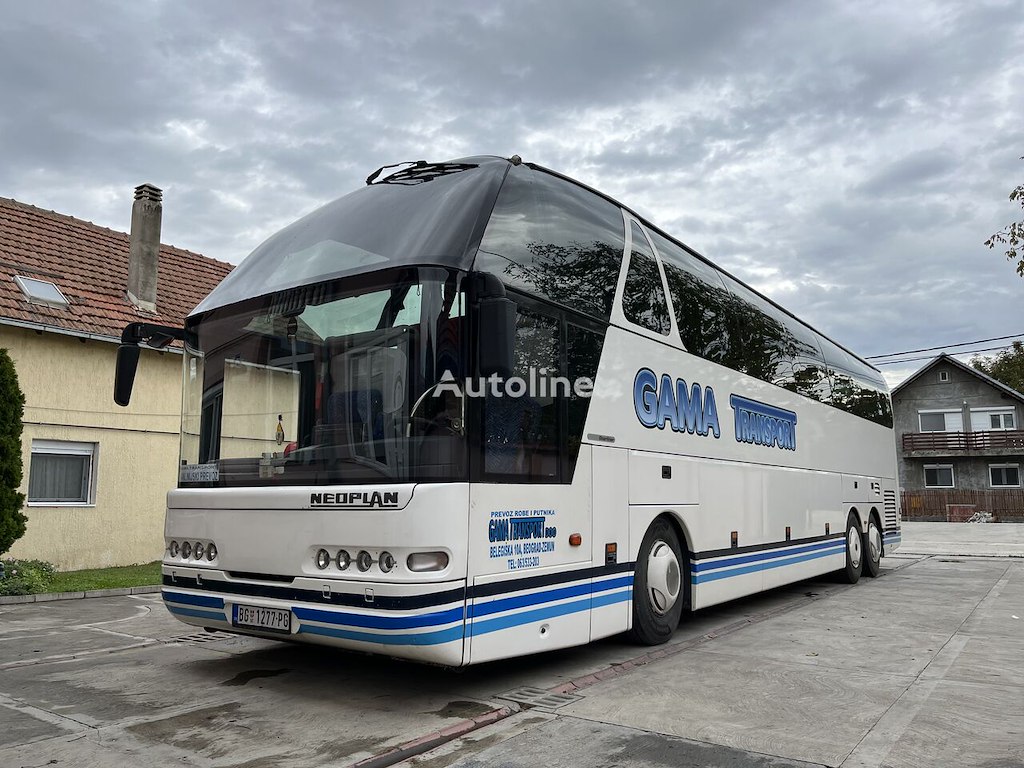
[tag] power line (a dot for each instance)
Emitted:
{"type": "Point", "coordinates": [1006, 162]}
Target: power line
{"type": "Point", "coordinates": [929, 357]}
{"type": "Point", "coordinates": [948, 346]}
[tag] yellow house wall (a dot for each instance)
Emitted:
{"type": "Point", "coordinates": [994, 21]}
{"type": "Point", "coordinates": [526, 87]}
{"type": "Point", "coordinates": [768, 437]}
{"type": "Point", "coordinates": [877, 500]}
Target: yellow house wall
{"type": "Point", "coordinates": [68, 385]}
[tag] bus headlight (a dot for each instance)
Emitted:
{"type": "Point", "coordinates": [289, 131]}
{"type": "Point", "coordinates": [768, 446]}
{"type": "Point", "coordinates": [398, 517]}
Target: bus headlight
{"type": "Point", "coordinates": [186, 549]}
{"type": "Point", "coordinates": [344, 559]}
{"type": "Point", "coordinates": [174, 549]}
{"type": "Point", "coordinates": [323, 558]}
{"type": "Point", "coordinates": [198, 550]}
{"type": "Point", "coordinates": [386, 561]}
{"type": "Point", "coordinates": [419, 562]}
{"type": "Point", "coordinates": [211, 552]}
{"type": "Point", "coordinates": [364, 561]}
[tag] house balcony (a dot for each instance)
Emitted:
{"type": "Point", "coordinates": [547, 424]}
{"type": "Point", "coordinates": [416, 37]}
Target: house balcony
{"type": "Point", "coordinates": [1003, 442]}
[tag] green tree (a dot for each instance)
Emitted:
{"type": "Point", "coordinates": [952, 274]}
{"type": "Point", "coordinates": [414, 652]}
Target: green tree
{"type": "Point", "coordinates": [1012, 235]}
{"type": "Point", "coordinates": [1006, 367]}
{"type": "Point", "coordinates": [12, 406]}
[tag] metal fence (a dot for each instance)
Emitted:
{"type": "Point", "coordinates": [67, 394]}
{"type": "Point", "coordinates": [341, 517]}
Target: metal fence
{"type": "Point", "coordinates": [1006, 506]}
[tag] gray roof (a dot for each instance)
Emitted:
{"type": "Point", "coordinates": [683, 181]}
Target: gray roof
{"type": "Point", "coordinates": [962, 366]}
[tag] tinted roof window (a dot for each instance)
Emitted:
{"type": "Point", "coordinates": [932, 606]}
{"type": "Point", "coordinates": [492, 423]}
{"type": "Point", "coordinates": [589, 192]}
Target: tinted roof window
{"type": "Point", "coordinates": [430, 215]}
{"type": "Point", "coordinates": [552, 238]}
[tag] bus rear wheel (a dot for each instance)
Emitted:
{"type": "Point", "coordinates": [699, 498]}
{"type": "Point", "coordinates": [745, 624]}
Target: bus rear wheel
{"type": "Point", "coordinates": [657, 585]}
{"type": "Point", "coordinates": [854, 551]}
{"type": "Point", "coordinates": [872, 549]}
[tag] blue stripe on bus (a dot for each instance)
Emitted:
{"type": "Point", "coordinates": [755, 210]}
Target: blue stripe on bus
{"type": "Point", "coordinates": [477, 627]}
{"type": "Point", "coordinates": [835, 549]}
{"type": "Point", "coordinates": [521, 601]}
{"type": "Point", "coordinates": [456, 614]}
{"type": "Point", "coordinates": [540, 614]}
{"type": "Point", "coordinates": [196, 614]}
{"type": "Point", "coordinates": [419, 638]}
{"type": "Point", "coordinates": [241, 590]}
{"type": "Point", "coordinates": [766, 555]}
{"type": "Point", "coordinates": [380, 622]}
{"type": "Point", "coordinates": [456, 633]}
{"type": "Point", "coordinates": [201, 600]}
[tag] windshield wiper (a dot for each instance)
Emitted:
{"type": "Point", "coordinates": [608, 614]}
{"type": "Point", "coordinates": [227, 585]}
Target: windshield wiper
{"type": "Point", "coordinates": [418, 172]}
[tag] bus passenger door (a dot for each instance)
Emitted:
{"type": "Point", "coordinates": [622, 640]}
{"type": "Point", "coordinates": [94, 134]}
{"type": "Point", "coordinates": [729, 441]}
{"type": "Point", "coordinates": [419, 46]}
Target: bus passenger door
{"type": "Point", "coordinates": [612, 583]}
{"type": "Point", "coordinates": [529, 581]}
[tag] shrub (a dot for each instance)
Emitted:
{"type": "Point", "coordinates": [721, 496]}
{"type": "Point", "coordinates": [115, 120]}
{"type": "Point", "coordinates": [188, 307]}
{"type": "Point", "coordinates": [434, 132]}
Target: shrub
{"type": "Point", "coordinates": [26, 577]}
{"type": "Point", "coordinates": [12, 407]}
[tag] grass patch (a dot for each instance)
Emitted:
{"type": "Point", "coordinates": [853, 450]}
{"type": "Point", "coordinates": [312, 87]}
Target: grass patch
{"type": "Point", "coordinates": [106, 578]}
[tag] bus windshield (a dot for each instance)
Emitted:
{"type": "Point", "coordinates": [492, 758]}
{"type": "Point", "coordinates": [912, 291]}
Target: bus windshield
{"type": "Point", "coordinates": [334, 382]}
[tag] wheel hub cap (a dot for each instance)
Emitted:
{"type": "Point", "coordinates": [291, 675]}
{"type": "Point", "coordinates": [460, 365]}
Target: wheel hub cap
{"type": "Point", "coordinates": [874, 544]}
{"type": "Point", "coordinates": [853, 547]}
{"type": "Point", "coordinates": [663, 578]}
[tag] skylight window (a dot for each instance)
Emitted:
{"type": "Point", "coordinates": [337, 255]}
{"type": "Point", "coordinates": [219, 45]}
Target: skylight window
{"type": "Point", "coordinates": [41, 291]}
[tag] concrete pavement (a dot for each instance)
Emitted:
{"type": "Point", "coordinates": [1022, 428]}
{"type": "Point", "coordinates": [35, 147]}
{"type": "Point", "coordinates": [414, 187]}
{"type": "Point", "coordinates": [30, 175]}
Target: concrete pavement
{"type": "Point", "coordinates": [918, 667]}
{"type": "Point", "coordinates": [973, 539]}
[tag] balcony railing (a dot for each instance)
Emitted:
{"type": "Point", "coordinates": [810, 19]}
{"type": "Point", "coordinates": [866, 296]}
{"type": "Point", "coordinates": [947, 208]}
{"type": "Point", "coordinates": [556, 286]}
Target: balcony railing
{"type": "Point", "coordinates": [994, 440]}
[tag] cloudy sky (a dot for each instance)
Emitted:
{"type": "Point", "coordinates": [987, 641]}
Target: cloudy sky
{"type": "Point", "coordinates": [848, 159]}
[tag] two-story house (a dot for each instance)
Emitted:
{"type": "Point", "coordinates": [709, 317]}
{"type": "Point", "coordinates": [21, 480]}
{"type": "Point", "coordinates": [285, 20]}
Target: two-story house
{"type": "Point", "coordinates": [960, 440]}
{"type": "Point", "coordinates": [95, 474]}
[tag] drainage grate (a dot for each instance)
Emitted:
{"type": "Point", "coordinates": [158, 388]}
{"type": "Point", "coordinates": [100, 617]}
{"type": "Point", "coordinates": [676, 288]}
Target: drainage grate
{"type": "Point", "coordinates": [538, 697]}
{"type": "Point", "coordinates": [204, 637]}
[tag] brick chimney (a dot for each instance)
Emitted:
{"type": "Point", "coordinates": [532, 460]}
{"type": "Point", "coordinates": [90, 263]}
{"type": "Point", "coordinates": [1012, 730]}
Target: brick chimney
{"type": "Point", "coordinates": [144, 247]}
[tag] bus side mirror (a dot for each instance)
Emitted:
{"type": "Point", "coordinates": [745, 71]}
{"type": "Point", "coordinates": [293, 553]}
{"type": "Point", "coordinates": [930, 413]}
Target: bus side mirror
{"type": "Point", "coordinates": [157, 337]}
{"type": "Point", "coordinates": [124, 374]}
{"type": "Point", "coordinates": [496, 325]}
{"type": "Point", "coordinates": [497, 336]}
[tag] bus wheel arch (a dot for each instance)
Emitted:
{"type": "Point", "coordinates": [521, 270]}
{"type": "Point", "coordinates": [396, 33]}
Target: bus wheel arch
{"type": "Point", "coordinates": [660, 579]}
{"type": "Point", "coordinates": [873, 545]}
{"type": "Point", "coordinates": [854, 541]}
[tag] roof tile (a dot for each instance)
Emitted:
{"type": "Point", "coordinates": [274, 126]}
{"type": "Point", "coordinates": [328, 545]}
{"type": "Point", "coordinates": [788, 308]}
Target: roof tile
{"type": "Point", "coordinates": [89, 264]}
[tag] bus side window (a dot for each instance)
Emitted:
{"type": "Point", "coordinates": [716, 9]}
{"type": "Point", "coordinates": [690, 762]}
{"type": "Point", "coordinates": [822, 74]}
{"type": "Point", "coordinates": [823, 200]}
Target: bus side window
{"type": "Point", "coordinates": [699, 300]}
{"type": "Point", "coordinates": [521, 428]}
{"type": "Point", "coordinates": [776, 347]}
{"type": "Point", "coordinates": [643, 298]}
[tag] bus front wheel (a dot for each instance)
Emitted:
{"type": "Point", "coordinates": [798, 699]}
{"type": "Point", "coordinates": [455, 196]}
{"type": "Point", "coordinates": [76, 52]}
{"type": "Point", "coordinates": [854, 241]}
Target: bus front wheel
{"type": "Point", "coordinates": [854, 551]}
{"type": "Point", "coordinates": [657, 585]}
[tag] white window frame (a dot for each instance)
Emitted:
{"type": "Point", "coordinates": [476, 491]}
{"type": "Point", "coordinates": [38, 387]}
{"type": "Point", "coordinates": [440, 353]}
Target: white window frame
{"type": "Point", "coordinates": [68, 448]}
{"type": "Point", "coordinates": [988, 413]}
{"type": "Point", "coordinates": [1002, 421]}
{"type": "Point", "coordinates": [952, 475]}
{"type": "Point", "coordinates": [1003, 466]}
{"type": "Point", "coordinates": [943, 377]}
{"type": "Point", "coordinates": [932, 411]}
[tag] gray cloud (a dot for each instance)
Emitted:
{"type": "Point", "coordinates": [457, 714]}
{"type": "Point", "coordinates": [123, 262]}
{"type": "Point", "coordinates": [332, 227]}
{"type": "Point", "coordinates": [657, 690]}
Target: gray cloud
{"type": "Point", "coordinates": [848, 160]}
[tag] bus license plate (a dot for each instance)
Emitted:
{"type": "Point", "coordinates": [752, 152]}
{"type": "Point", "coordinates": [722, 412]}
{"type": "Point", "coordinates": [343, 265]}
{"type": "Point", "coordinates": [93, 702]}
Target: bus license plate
{"type": "Point", "coordinates": [271, 619]}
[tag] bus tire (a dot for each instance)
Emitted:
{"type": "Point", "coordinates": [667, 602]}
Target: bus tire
{"type": "Point", "coordinates": [854, 551]}
{"type": "Point", "coordinates": [872, 549]}
{"type": "Point", "coordinates": [657, 585]}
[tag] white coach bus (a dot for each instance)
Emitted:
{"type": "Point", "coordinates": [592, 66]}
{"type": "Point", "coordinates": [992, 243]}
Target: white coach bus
{"type": "Point", "coordinates": [477, 409]}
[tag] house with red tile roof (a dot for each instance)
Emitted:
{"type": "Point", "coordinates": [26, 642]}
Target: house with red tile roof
{"type": "Point", "coordinates": [95, 474]}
